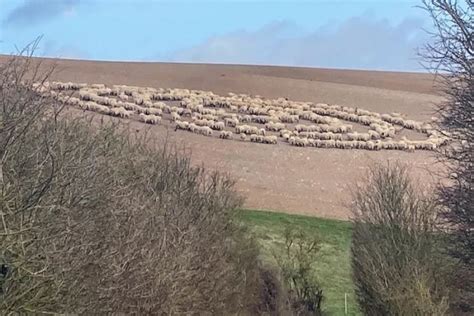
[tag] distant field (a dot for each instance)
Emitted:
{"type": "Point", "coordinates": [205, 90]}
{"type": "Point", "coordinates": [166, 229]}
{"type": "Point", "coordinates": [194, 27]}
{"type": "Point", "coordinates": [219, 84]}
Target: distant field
{"type": "Point", "coordinates": [333, 265]}
{"type": "Point", "coordinates": [306, 181]}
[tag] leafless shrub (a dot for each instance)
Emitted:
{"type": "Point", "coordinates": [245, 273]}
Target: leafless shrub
{"type": "Point", "coordinates": [96, 221]}
{"type": "Point", "coordinates": [397, 268]}
{"type": "Point", "coordinates": [305, 295]}
{"type": "Point", "coordinates": [451, 57]}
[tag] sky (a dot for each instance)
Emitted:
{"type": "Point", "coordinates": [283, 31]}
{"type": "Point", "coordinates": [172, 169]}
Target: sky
{"type": "Point", "coordinates": [353, 34]}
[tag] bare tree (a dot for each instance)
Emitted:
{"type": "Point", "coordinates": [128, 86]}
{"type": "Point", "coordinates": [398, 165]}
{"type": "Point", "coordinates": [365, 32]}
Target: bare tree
{"type": "Point", "coordinates": [451, 57]}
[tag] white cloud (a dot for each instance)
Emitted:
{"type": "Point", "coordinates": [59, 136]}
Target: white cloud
{"type": "Point", "coordinates": [361, 42]}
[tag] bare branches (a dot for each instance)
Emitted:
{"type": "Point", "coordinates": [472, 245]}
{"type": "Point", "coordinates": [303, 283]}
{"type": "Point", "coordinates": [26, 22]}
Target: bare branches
{"type": "Point", "coordinates": [396, 264]}
{"type": "Point", "coordinates": [453, 50]}
{"type": "Point", "coordinates": [95, 221]}
{"type": "Point", "coordinates": [453, 46]}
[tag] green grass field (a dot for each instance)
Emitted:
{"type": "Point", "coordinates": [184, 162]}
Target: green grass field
{"type": "Point", "coordinates": [332, 266]}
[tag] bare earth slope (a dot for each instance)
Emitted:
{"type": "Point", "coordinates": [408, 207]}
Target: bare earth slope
{"type": "Point", "coordinates": [310, 181]}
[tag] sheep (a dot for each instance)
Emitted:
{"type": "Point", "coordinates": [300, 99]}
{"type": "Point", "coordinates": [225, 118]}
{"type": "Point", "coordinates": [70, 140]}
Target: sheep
{"type": "Point", "coordinates": [358, 136]}
{"type": "Point", "coordinates": [345, 144]}
{"type": "Point", "coordinates": [149, 119]}
{"type": "Point", "coordinates": [388, 144]}
{"type": "Point", "coordinates": [243, 109]}
{"type": "Point", "coordinates": [270, 139]}
{"type": "Point", "coordinates": [86, 95]}
{"type": "Point", "coordinates": [72, 101]}
{"type": "Point", "coordinates": [307, 128]}
{"type": "Point", "coordinates": [256, 110]}
{"type": "Point", "coordinates": [192, 127]}
{"type": "Point", "coordinates": [123, 97]}
{"type": "Point", "coordinates": [92, 106]}
{"type": "Point", "coordinates": [205, 111]}
{"type": "Point", "coordinates": [315, 118]}
{"type": "Point", "coordinates": [246, 119]}
{"type": "Point", "coordinates": [67, 85]}
{"type": "Point", "coordinates": [425, 145]}
{"type": "Point", "coordinates": [183, 125]}
{"type": "Point", "coordinates": [225, 135]}
{"type": "Point", "coordinates": [260, 119]}
{"type": "Point", "coordinates": [147, 103]}
{"type": "Point", "coordinates": [256, 138]}
{"type": "Point", "coordinates": [285, 118]}
{"type": "Point", "coordinates": [231, 122]}
{"type": "Point", "coordinates": [180, 111]}
{"type": "Point", "coordinates": [248, 129]}
{"type": "Point", "coordinates": [243, 136]}
{"type": "Point", "coordinates": [205, 130]}
{"type": "Point", "coordinates": [111, 102]}
{"type": "Point", "coordinates": [120, 112]}
{"type": "Point", "coordinates": [383, 130]}
{"type": "Point", "coordinates": [154, 111]}
{"type": "Point", "coordinates": [324, 136]}
{"type": "Point", "coordinates": [328, 131]}
{"type": "Point", "coordinates": [276, 127]}
{"type": "Point", "coordinates": [330, 143]}
{"type": "Point", "coordinates": [210, 117]}
{"type": "Point", "coordinates": [103, 91]}
{"type": "Point", "coordinates": [341, 128]}
{"type": "Point", "coordinates": [286, 136]}
{"type": "Point", "coordinates": [218, 126]}
{"type": "Point", "coordinates": [373, 134]}
{"type": "Point", "coordinates": [203, 122]}
{"type": "Point", "coordinates": [85, 105]}
{"type": "Point", "coordinates": [103, 109]}
{"type": "Point", "coordinates": [297, 141]}
{"type": "Point", "coordinates": [175, 116]}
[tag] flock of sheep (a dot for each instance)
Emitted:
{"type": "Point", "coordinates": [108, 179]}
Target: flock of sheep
{"type": "Point", "coordinates": [246, 118]}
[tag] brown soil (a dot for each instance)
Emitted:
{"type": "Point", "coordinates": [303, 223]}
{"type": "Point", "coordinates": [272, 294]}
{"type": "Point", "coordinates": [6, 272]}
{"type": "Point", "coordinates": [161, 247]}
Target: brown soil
{"type": "Point", "coordinates": [308, 181]}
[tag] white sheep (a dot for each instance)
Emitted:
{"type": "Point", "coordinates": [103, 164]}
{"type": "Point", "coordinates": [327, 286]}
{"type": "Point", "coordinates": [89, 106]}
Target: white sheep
{"type": "Point", "coordinates": [154, 111]}
{"type": "Point", "coordinates": [183, 125]}
{"type": "Point", "coordinates": [270, 139]}
{"type": "Point", "coordinates": [285, 118]}
{"type": "Point", "coordinates": [231, 122]}
{"type": "Point", "coordinates": [218, 126]}
{"type": "Point", "coordinates": [297, 141]}
{"type": "Point", "coordinates": [175, 116]}
{"type": "Point", "coordinates": [275, 127]}
{"type": "Point", "coordinates": [256, 138]}
{"type": "Point", "coordinates": [120, 112]}
{"type": "Point", "coordinates": [149, 119]}
{"type": "Point", "coordinates": [225, 135]}
{"type": "Point", "coordinates": [246, 119]}
{"type": "Point", "coordinates": [205, 130]}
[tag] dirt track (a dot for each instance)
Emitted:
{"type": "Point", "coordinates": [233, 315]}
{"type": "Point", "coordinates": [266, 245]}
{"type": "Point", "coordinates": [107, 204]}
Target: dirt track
{"type": "Point", "coordinates": [295, 180]}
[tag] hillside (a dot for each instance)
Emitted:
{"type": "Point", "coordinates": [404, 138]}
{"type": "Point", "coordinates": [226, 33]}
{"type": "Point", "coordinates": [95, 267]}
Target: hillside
{"type": "Point", "coordinates": [311, 181]}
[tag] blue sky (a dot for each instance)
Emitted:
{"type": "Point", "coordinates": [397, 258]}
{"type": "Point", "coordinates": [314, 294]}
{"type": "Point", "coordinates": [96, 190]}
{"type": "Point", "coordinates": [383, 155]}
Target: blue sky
{"type": "Point", "coordinates": [370, 34]}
